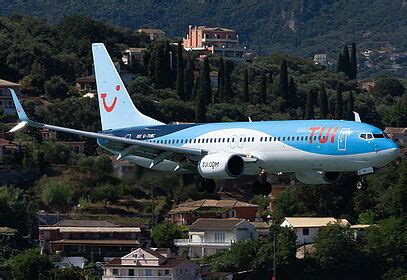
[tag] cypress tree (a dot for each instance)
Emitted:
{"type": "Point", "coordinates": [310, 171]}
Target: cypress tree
{"type": "Point", "coordinates": [340, 67]}
{"type": "Point", "coordinates": [205, 82]}
{"type": "Point", "coordinates": [309, 106]}
{"type": "Point", "coordinates": [351, 105]}
{"type": "Point", "coordinates": [180, 73]}
{"type": "Point", "coordinates": [200, 100]}
{"type": "Point", "coordinates": [353, 62]}
{"type": "Point", "coordinates": [339, 104]}
{"type": "Point", "coordinates": [221, 81]}
{"type": "Point", "coordinates": [228, 81]}
{"type": "Point", "coordinates": [292, 93]}
{"type": "Point", "coordinates": [263, 89]}
{"type": "Point", "coordinates": [161, 68]}
{"type": "Point", "coordinates": [346, 61]}
{"type": "Point", "coordinates": [323, 100]}
{"type": "Point", "coordinates": [283, 81]}
{"type": "Point", "coordinates": [189, 78]}
{"type": "Point", "coordinates": [246, 96]}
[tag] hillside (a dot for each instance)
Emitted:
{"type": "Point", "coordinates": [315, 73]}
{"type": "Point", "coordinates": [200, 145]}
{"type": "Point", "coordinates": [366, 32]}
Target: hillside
{"type": "Point", "coordinates": [300, 27]}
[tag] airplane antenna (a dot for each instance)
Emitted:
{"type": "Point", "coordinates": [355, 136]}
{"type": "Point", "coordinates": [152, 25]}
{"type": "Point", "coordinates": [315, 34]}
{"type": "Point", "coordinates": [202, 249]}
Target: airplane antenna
{"type": "Point", "coordinates": [357, 117]}
{"type": "Point", "coordinates": [250, 119]}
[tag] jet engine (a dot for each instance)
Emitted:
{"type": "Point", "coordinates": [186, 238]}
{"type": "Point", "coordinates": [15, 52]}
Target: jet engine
{"type": "Point", "coordinates": [221, 166]}
{"type": "Point", "coordinates": [318, 177]}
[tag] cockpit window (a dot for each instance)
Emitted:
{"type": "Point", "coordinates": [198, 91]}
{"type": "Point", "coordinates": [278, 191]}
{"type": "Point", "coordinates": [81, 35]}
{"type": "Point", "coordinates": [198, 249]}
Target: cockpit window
{"type": "Point", "coordinates": [369, 135]}
{"type": "Point", "coordinates": [363, 136]}
{"type": "Point", "coordinates": [378, 135]}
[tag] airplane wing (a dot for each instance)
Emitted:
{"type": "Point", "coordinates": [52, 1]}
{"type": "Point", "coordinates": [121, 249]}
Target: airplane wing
{"type": "Point", "coordinates": [154, 151]}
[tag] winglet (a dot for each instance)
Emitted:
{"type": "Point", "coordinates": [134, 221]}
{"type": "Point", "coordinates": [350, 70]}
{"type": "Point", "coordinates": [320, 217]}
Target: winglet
{"type": "Point", "coordinates": [357, 117]}
{"type": "Point", "coordinates": [20, 112]}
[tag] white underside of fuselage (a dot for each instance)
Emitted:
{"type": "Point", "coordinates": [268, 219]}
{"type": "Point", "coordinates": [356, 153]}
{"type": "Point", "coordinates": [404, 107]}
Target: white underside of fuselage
{"type": "Point", "coordinates": [274, 156]}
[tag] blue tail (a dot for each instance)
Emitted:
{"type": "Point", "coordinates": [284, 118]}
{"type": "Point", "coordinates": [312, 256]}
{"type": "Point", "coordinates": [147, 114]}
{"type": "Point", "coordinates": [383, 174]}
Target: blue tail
{"type": "Point", "coordinates": [115, 105]}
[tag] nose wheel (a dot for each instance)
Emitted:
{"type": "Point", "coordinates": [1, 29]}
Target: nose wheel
{"type": "Point", "coordinates": [361, 184]}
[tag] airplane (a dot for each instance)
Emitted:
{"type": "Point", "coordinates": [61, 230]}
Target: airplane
{"type": "Point", "coordinates": [316, 151]}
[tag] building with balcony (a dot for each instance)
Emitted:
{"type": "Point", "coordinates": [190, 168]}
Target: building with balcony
{"type": "Point", "coordinates": [6, 102]}
{"type": "Point", "coordinates": [88, 238]}
{"type": "Point", "coordinates": [397, 134]}
{"type": "Point", "coordinates": [86, 85]}
{"type": "Point", "coordinates": [187, 213]}
{"type": "Point", "coordinates": [146, 263]}
{"type": "Point", "coordinates": [214, 40]}
{"type": "Point", "coordinates": [306, 228]}
{"type": "Point", "coordinates": [207, 237]}
{"type": "Point", "coordinates": [153, 33]}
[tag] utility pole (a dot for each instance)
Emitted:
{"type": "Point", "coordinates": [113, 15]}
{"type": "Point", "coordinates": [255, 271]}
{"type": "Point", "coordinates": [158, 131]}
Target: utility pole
{"type": "Point", "coordinates": [152, 205]}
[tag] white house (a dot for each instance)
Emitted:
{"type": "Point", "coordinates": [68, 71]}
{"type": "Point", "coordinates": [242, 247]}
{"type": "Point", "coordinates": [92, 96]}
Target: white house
{"type": "Point", "coordinates": [144, 263]}
{"type": "Point", "coordinates": [210, 236]}
{"type": "Point", "coordinates": [306, 228]}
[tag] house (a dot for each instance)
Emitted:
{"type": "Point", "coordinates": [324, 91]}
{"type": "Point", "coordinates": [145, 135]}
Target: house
{"type": "Point", "coordinates": [153, 33]}
{"type": "Point", "coordinates": [188, 212]}
{"type": "Point", "coordinates": [88, 238]}
{"type": "Point", "coordinates": [86, 85]}
{"type": "Point", "coordinates": [207, 237]}
{"type": "Point", "coordinates": [219, 41]}
{"type": "Point", "coordinates": [6, 102]}
{"type": "Point", "coordinates": [306, 228]}
{"type": "Point", "coordinates": [146, 263]}
{"type": "Point", "coordinates": [8, 149]}
{"type": "Point", "coordinates": [7, 234]}
{"type": "Point", "coordinates": [320, 59]}
{"type": "Point", "coordinates": [397, 134]}
{"type": "Point", "coordinates": [132, 55]}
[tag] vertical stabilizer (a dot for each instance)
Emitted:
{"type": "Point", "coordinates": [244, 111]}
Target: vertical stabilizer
{"type": "Point", "coordinates": [115, 105]}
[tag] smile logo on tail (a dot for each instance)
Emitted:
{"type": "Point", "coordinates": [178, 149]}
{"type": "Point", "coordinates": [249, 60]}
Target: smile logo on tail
{"type": "Point", "coordinates": [111, 107]}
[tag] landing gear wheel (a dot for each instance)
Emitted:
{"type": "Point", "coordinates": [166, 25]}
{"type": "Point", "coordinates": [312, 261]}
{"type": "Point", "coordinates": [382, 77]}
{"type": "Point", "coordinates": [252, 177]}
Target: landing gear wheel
{"type": "Point", "coordinates": [267, 188]}
{"type": "Point", "coordinates": [205, 185]}
{"type": "Point", "coordinates": [257, 188]}
{"type": "Point", "coordinates": [361, 184]}
{"type": "Point", "coordinates": [210, 186]}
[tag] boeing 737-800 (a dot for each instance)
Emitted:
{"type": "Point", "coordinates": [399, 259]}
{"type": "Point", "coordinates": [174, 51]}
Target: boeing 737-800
{"type": "Point", "coordinates": [316, 151]}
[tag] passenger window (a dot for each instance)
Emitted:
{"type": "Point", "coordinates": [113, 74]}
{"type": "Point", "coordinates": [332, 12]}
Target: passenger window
{"type": "Point", "coordinates": [252, 139]}
{"type": "Point", "coordinates": [306, 138]}
{"type": "Point", "coordinates": [298, 138]}
{"type": "Point", "coordinates": [278, 138]}
{"type": "Point", "coordinates": [228, 140]}
{"type": "Point", "coordinates": [315, 138]}
{"type": "Point", "coordinates": [261, 139]}
{"type": "Point", "coordinates": [270, 139]}
{"type": "Point", "coordinates": [302, 138]}
{"type": "Point", "coordinates": [223, 139]}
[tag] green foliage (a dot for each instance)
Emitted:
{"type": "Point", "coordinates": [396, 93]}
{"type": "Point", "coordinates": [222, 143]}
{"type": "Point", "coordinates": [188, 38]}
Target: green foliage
{"type": "Point", "coordinates": [103, 164]}
{"type": "Point", "coordinates": [56, 87]}
{"type": "Point", "coordinates": [107, 192]}
{"type": "Point", "coordinates": [283, 80]}
{"type": "Point", "coordinates": [57, 195]}
{"type": "Point", "coordinates": [180, 73]}
{"type": "Point", "coordinates": [309, 106]}
{"type": "Point", "coordinates": [163, 234]}
{"type": "Point", "coordinates": [30, 265]}
{"type": "Point", "coordinates": [388, 86]}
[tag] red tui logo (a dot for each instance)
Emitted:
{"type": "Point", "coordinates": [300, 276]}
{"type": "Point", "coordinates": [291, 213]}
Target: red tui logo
{"type": "Point", "coordinates": [109, 108]}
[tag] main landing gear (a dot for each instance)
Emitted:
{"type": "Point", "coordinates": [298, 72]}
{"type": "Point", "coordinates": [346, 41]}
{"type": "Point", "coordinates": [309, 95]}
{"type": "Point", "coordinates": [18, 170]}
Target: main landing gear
{"type": "Point", "coordinates": [262, 187]}
{"type": "Point", "coordinates": [205, 185]}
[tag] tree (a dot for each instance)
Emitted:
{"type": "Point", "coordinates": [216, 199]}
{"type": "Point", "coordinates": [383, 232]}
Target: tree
{"type": "Point", "coordinates": [106, 193]}
{"type": "Point", "coordinates": [323, 103]}
{"type": "Point", "coordinates": [263, 89]}
{"type": "Point", "coordinates": [337, 253]}
{"type": "Point", "coordinates": [309, 106]}
{"type": "Point", "coordinates": [57, 195]}
{"type": "Point", "coordinates": [292, 93]}
{"type": "Point", "coordinates": [189, 78]}
{"type": "Point", "coordinates": [104, 164]}
{"type": "Point", "coordinates": [180, 73]}
{"type": "Point", "coordinates": [246, 96]}
{"type": "Point", "coordinates": [351, 106]}
{"type": "Point", "coordinates": [353, 63]}
{"type": "Point", "coordinates": [30, 265]}
{"type": "Point", "coordinates": [228, 80]}
{"type": "Point", "coordinates": [163, 235]}
{"type": "Point", "coordinates": [56, 87]}
{"type": "Point", "coordinates": [204, 92]}
{"type": "Point", "coordinates": [339, 104]}
{"type": "Point", "coordinates": [221, 81]}
{"type": "Point", "coordinates": [160, 64]}
{"type": "Point", "coordinates": [388, 86]}
{"type": "Point", "coordinates": [283, 80]}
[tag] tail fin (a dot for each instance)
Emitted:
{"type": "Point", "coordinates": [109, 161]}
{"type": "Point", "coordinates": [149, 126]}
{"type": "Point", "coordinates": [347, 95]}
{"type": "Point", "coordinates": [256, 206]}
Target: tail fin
{"type": "Point", "coordinates": [115, 105]}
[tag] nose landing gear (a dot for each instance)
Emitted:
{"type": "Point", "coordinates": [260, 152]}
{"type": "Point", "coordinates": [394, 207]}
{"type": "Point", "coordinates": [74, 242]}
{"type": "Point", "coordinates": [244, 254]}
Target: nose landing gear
{"type": "Point", "coordinates": [361, 184]}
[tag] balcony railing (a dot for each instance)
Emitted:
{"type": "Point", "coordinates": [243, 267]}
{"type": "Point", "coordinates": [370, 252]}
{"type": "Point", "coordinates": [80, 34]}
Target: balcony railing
{"type": "Point", "coordinates": [136, 277]}
{"type": "Point", "coordinates": [219, 40]}
{"type": "Point", "coordinates": [187, 242]}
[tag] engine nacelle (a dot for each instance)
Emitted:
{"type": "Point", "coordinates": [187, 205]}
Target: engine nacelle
{"type": "Point", "coordinates": [318, 177]}
{"type": "Point", "coordinates": [221, 166]}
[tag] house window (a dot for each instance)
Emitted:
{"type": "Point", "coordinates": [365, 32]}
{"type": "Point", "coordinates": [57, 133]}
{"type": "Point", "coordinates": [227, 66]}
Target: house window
{"type": "Point", "coordinates": [233, 213]}
{"type": "Point", "coordinates": [219, 237]}
{"type": "Point", "coordinates": [305, 231]}
{"type": "Point", "coordinates": [115, 272]}
{"type": "Point", "coordinates": [180, 271]}
{"type": "Point", "coordinates": [167, 272]}
{"type": "Point", "coordinates": [149, 272]}
{"type": "Point", "coordinates": [131, 272]}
